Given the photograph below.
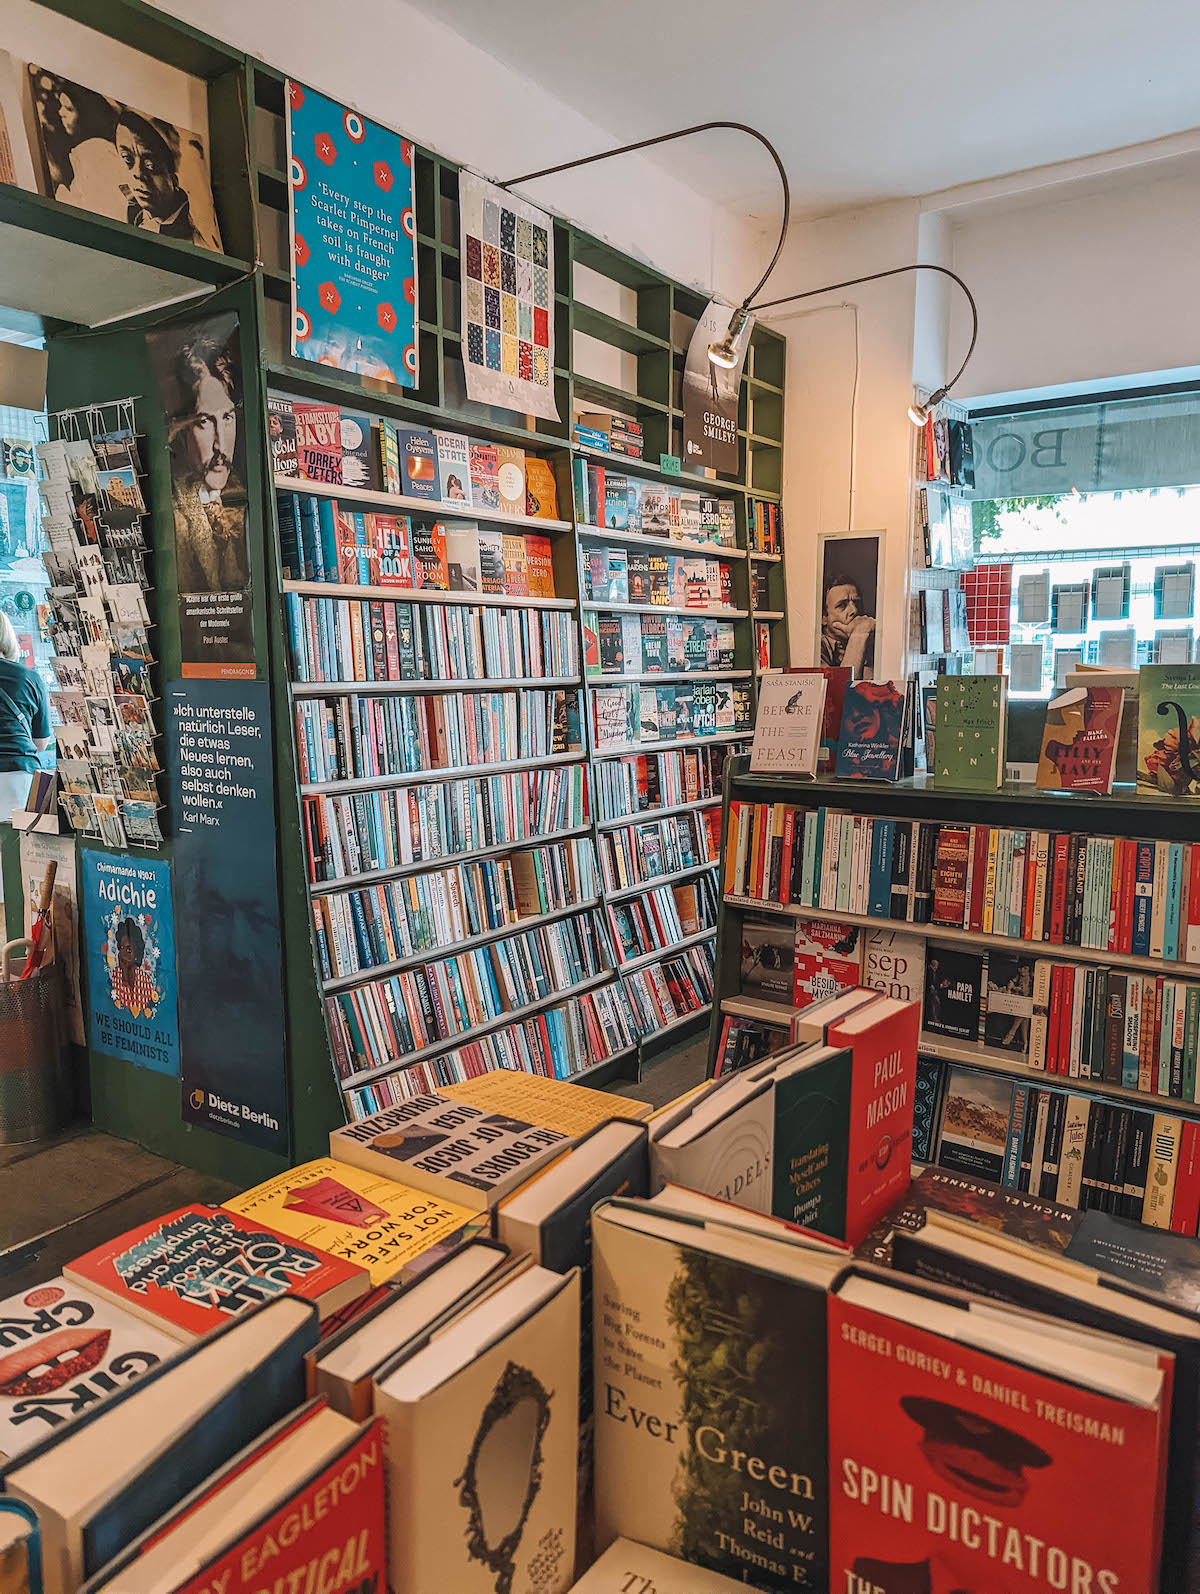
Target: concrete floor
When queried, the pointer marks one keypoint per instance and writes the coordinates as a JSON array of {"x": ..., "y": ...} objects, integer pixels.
[{"x": 63, "y": 1197}]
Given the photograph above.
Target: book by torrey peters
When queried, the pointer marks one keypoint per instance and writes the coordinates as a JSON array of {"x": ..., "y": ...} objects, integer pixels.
[
  {"x": 1169, "y": 729},
  {"x": 372, "y": 1222},
  {"x": 196, "y": 1268},
  {"x": 788, "y": 725},
  {"x": 1079, "y": 741},
  {"x": 450, "y": 1149},
  {"x": 61, "y": 1351}
]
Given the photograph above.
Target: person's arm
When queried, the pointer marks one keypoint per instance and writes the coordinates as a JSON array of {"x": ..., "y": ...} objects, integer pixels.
[
  {"x": 861, "y": 632},
  {"x": 40, "y": 728}
]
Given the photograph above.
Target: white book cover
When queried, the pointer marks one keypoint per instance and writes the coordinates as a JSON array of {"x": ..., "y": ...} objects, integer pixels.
[
  {"x": 787, "y": 726},
  {"x": 894, "y": 963},
  {"x": 462, "y": 556},
  {"x": 454, "y": 469},
  {"x": 629, "y": 1568},
  {"x": 730, "y": 1159},
  {"x": 61, "y": 1351}
]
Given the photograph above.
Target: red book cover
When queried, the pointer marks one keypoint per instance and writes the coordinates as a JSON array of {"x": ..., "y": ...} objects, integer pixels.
[
  {"x": 1185, "y": 1207},
  {"x": 1191, "y": 948},
  {"x": 950, "y": 876},
  {"x": 319, "y": 442},
  {"x": 978, "y": 878},
  {"x": 1058, "y": 889},
  {"x": 956, "y": 1471},
  {"x": 200, "y": 1266},
  {"x": 883, "y": 1039},
  {"x": 1030, "y": 884},
  {"x": 827, "y": 960},
  {"x": 329, "y": 1535},
  {"x": 1054, "y": 1019},
  {"x": 393, "y": 550},
  {"x": 1128, "y": 894},
  {"x": 1064, "y": 1018},
  {"x": 837, "y": 680},
  {"x": 785, "y": 862},
  {"x": 1079, "y": 740},
  {"x": 761, "y": 837}
]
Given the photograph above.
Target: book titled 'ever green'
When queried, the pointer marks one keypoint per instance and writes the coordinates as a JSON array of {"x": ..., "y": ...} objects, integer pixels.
[{"x": 970, "y": 731}]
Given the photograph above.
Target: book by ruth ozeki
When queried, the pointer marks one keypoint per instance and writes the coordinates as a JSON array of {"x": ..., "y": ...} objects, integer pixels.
[
  {"x": 1169, "y": 729},
  {"x": 710, "y": 1394},
  {"x": 970, "y": 731},
  {"x": 978, "y": 1447}
]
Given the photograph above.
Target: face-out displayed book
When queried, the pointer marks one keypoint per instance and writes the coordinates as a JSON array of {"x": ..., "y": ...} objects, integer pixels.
[
  {"x": 100, "y": 1481},
  {"x": 970, "y": 731},
  {"x": 874, "y": 732},
  {"x": 194, "y": 1269},
  {"x": 449, "y": 1149},
  {"x": 974, "y": 1446},
  {"x": 62, "y": 1350},
  {"x": 788, "y": 725},
  {"x": 549, "y": 1103},
  {"x": 1080, "y": 738},
  {"x": 366, "y": 1220},
  {"x": 706, "y": 1438},
  {"x": 1168, "y": 756},
  {"x": 837, "y": 679},
  {"x": 265, "y": 1517},
  {"x": 629, "y": 1568}
]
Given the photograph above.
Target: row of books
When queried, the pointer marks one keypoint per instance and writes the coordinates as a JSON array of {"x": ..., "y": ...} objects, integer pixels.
[
  {"x": 348, "y": 639},
  {"x": 643, "y": 644},
  {"x": 817, "y": 718},
  {"x": 633, "y": 853},
  {"x": 319, "y": 540},
  {"x": 364, "y": 738},
  {"x": 559, "y": 1043},
  {"x": 1105, "y": 893},
  {"x": 639, "y": 783},
  {"x": 637, "y": 575},
  {"x": 661, "y": 916},
  {"x": 398, "y": 919},
  {"x": 623, "y": 503},
  {"x": 666, "y": 991},
  {"x": 370, "y": 830},
  {"x": 345, "y": 448},
  {"x": 625, "y": 715},
  {"x": 945, "y": 536},
  {"x": 946, "y": 451},
  {"x": 764, "y": 526},
  {"x": 762, "y": 644},
  {"x": 377, "y": 1024},
  {"x": 614, "y": 434},
  {"x": 942, "y": 620}
]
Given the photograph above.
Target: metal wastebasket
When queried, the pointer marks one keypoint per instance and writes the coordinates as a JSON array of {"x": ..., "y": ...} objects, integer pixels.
[{"x": 35, "y": 1081}]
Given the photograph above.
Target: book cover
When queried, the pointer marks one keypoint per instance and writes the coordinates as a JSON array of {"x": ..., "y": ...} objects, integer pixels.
[
  {"x": 196, "y": 1268},
  {"x": 541, "y": 489},
  {"x": 367, "y": 1220},
  {"x": 418, "y": 462},
  {"x": 970, "y": 731},
  {"x": 1008, "y": 1003},
  {"x": 953, "y": 991},
  {"x": 318, "y": 442},
  {"x": 728, "y": 1157},
  {"x": 516, "y": 572},
  {"x": 281, "y": 432},
  {"x": 510, "y": 479},
  {"x": 539, "y": 566},
  {"x": 695, "y": 1375},
  {"x": 655, "y": 510},
  {"x": 950, "y": 876},
  {"x": 358, "y": 453},
  {"x": 569, "y": 1108},
  {"x": 827, "y": 959},
  {"x": 428, "y": 541},
  {"x": 789, "y": 724},
  {"x": 610, "y": 706},
  {"x": 609, "y": 638},
  {"x": 894, "y": 964},
  {"x": 1169, "y": 729},
  {"x": 872, "y": 728},
  {"x": 1152, "y": 1260},
  {"x": 463, "y": 571},
  {"x": 768, "y": 954},
  {"x": 61, "y": 1351},
  {"x": 448, "y": 1149},
  {"x": 629, "y": 1568},
  {"x": 958, "y": 1469},
  {"x": 453, "y": 468},
  {"x": 1079, "y": 740},
  {"x": 836, "y": 682},
  {"x": 491, "y": 559},
  {"x": 976, "y": 1115},
  {"x": 393, "y": 550},
  {"x": 485, "y": 486}
]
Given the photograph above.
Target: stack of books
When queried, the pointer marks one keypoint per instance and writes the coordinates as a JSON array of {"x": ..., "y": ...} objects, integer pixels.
[{"x": 615, "y": 434}]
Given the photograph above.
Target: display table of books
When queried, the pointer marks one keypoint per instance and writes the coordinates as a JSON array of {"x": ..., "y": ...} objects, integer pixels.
[{"x": 519, "y": 1335}]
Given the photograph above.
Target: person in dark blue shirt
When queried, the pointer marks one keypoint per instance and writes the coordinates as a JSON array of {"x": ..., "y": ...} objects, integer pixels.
[{"x": 24, "y": 722}]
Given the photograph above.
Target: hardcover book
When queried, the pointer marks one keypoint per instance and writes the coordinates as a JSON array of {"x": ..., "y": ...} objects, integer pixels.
[
  {"x": 954, "y": 981},
  {"x": 836, "y": 682},
  {"x": 768, "y": 957},
  {"x": 541, "y": 489},
  {"x": 510, "y": 479},
  {"x": 708, "y": 1444},
  {"x": 196, "y": 1268},
  {"x": 719, "y": 1144},
  {"x": 569, "y": 1108},
  {"x": 366, "y": 1220},
  {"x": 281, "y": 431},
  {"x": 418, "y": 463},
  {"x": 1008, "y": 1003},
  {"x": 463, "y": 571},
  {"x": 449, "y": 1149},
  {"x": 970, "y": 731},
  {"x": 453, "y": 468},
  {"x": 1079, "y": 741},
  {"x": 393, "y": 550},
  {"x": 894, "y": 964},
  {"x": 358, "y": 453},
  {"x": 539, "y": 566},
  {"x": 61, "y": 1351},
  {"x": 318, "y": 442},
  {"x": 485, "y": 485},
  {"x": 629, "y": 1568},
  {"x": 1169, "y": 729},
  {"x": 789, "y": 724},
  {"x": 490, "y": 540},
  {"x": 827, "y": 959},
  {"x": 872, "y": 731},
  {"x": 428, "y": 539}
]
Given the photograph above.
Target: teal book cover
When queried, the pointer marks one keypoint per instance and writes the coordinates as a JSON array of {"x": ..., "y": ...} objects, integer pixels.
[{"x": 812, "y": 1146}]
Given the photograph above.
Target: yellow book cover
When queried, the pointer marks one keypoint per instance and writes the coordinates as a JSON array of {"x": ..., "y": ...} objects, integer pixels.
[
  {"x": 373, "y": 1222},
  {"x": 548, "y": 1103}
]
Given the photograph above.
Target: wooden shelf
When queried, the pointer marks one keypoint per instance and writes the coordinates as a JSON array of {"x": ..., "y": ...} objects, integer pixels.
[
  {"x": 766, "y": 614},
  {"x": 1001, "y": 943},
  {"x": 659, "y": 954},
  {"x": 431, "y": 776},
  {"x": 482, "y": 683},
  {"x": 364, "y": 1076},
  {"x": 643, "y": 467},
  {"x": 668, "y": 677},
  {"x": 434, "y": 954},
  {"x": 619, "y": 893},
  {"x": 663, "y": 608},
  {"x": 371, "y": 877},
  {"x": 487, "y": 600},
  {"x": 650, "y": 539},
  {"x": 764, "y": 1012},
  {"x": 406, "y": 506},
  {"x": 625, "y": 820},
  {"x": 672, "y": 745},
  {"x": 676, "y": 1023},
  {"x": 765, "y": 558}
]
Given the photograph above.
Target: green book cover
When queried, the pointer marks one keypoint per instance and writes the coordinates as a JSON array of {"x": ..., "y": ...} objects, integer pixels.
[
  {"x": 710, "y": 1402},
  {"x": 812, "y": 1146},
  {"x": 1169, "y": 729},
  {"x": 970, "y": 731}
]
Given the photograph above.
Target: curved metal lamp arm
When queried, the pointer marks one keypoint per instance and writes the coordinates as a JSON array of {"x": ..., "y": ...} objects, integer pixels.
[{"x": 667, "y": 138}]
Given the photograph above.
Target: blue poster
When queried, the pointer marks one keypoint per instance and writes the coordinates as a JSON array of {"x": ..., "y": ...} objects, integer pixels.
[
  {"x": 354, "y": 256},
  {"x": 128, "y": 926}
]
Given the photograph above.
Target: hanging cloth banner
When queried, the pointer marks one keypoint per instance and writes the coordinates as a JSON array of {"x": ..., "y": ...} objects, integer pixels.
[
  {"x": 507, "y": 255},
  {"x": 353, "y": 232},
  {"x": 710, "y": 395}
]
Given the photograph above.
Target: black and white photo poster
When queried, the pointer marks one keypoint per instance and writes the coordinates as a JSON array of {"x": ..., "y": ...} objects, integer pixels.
[{"x": 848, "y": 601}]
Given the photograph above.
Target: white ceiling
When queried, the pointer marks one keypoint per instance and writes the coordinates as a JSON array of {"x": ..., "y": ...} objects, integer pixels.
[{"x": 865, "y": 99}]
